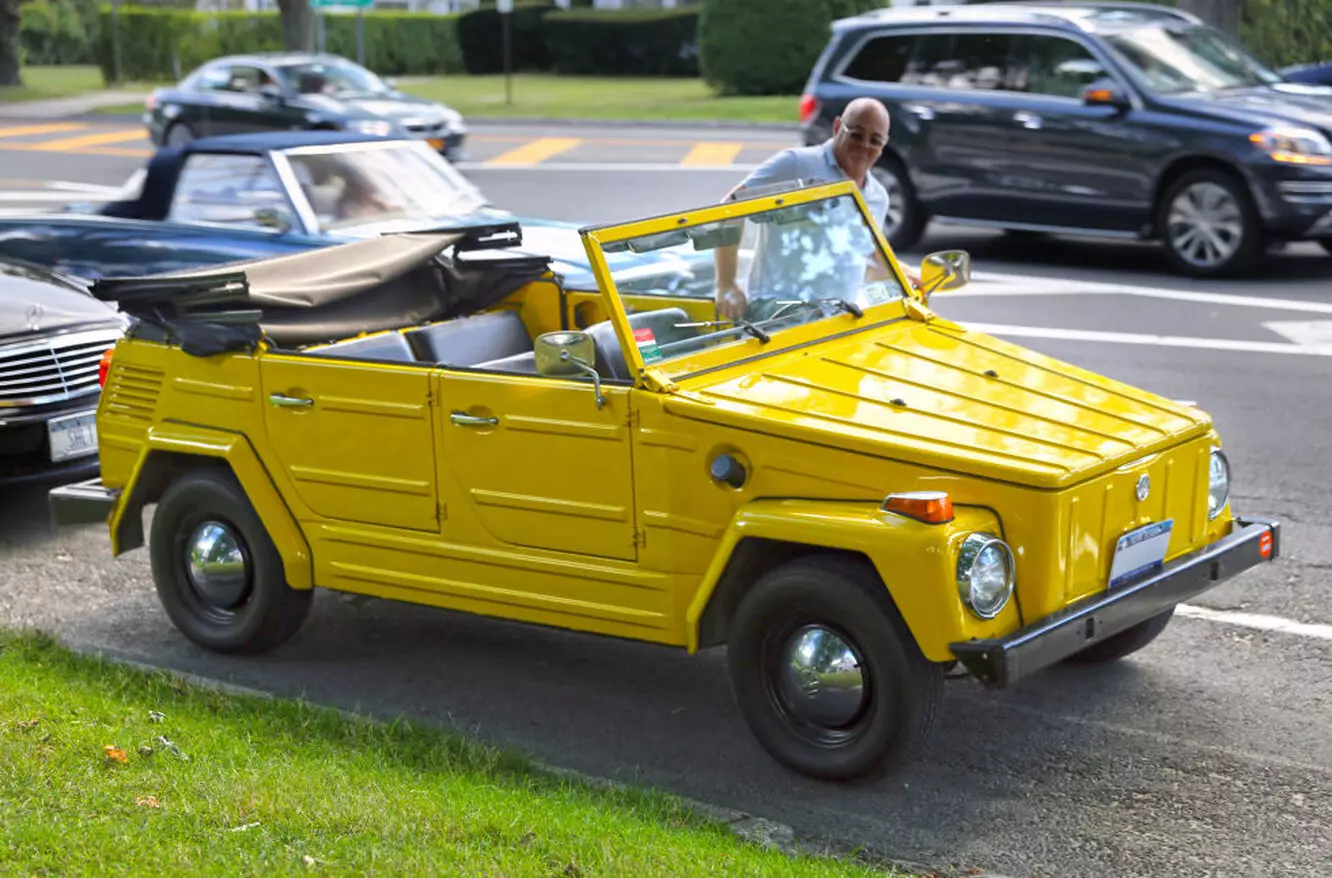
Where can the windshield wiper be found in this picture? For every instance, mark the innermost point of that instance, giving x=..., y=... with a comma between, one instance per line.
x=743, y=324
x=843, y=304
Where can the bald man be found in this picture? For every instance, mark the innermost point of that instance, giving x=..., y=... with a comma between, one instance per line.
x=859, y=136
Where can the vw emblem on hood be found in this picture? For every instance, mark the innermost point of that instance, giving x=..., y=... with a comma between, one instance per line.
x=34, y=315
x=1144, y=487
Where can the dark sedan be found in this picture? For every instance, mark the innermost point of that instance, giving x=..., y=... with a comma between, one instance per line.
x=52, y=337
x=290, y=91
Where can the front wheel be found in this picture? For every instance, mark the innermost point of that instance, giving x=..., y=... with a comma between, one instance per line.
x=826, y=673
x=1209, y=226
x=218, y=574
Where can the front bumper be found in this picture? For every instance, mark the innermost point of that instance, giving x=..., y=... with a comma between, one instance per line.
x=999, y=662
x=1296, y=202
x=87, y=502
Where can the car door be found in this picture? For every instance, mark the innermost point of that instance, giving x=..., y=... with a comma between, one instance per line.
x=538, y=464
x=356, y=440
x=1070, y=164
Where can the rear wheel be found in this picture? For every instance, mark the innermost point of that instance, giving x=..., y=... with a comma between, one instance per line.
x=1126, y=642
x=218, y=574
x=826, y=673
x=905, y=221
x=1209, y=226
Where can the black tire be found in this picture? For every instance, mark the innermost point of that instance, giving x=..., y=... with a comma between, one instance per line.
x=1243, y=231
x=905, y=231
x=255, y=615
x=1124, y=643
x=178, y=133
x=902, y=688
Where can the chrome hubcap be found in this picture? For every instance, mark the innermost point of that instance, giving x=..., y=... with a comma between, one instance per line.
x=217, y=565
x=896, y=197
x=822, y=680
x=1205, y=225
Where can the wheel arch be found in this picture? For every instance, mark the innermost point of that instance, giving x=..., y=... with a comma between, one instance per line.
x=168, y=455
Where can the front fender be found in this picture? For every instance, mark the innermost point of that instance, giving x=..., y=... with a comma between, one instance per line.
x=170, y=447
x=915, y=561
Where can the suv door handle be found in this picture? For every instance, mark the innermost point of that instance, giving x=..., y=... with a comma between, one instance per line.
x=921, y=111
x=1028, y=120
x=464, y=420
x=289, y=401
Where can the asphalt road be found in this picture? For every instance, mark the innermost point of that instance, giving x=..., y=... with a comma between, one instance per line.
x=1206, y=754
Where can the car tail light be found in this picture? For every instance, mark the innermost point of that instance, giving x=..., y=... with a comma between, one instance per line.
x=809, y=107
x=931, y=507
x=150, y=102
x=104, y=366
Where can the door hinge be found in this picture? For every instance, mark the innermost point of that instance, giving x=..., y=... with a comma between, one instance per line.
x=640, y=538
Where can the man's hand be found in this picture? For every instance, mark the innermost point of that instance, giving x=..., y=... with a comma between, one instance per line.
x=731, y=301
x=913, y=277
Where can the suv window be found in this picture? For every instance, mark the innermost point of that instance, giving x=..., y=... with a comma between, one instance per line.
x=882, y=59
x=960, y=61
x=231, y=189
x=1051, y=65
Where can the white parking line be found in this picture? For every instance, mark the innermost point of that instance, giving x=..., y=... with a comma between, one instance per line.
x=1255, y=620
x=1133, y=338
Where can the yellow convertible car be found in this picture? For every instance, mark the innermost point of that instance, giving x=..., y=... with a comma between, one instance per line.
x=850, y=492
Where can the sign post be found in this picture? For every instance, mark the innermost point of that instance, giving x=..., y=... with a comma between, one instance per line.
x=322, y=6
x=505, y=8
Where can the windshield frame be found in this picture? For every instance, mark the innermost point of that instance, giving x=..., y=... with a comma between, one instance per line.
x=1109, y=37
x=744, y=348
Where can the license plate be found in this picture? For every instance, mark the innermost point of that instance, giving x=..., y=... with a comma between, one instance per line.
x=436, y=142
x=1139, y=551
x=72, y=436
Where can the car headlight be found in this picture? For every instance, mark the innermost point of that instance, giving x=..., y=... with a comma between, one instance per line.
x=1294, y=145
x=985, y=574
x=376, y=127
x=1218, y=483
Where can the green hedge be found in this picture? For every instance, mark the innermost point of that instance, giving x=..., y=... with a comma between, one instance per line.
x=481, y=38
x=168, y=43
x=1284, y=32
x=629, y=42
x=58, y=31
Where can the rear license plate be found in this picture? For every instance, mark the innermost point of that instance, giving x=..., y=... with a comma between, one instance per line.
x=1139, y=551
x=436, y=142
x=72, y=436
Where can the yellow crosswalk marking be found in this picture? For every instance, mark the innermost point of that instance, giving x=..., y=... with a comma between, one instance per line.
x=26, y=130
x=713, y=153
x=537, y=151
x=73, y=143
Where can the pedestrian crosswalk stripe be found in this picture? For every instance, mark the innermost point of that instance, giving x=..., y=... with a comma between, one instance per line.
x=71, y=143
x=536, y=152
x=712, y=153
x=30, y=130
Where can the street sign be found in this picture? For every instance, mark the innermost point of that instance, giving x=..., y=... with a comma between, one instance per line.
x=341, y=4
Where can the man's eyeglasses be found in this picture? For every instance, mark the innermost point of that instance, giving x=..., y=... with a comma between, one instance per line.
x=859, y=136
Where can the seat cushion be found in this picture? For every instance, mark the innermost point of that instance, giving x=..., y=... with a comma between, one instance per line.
x=610, y=357
x=523, y=364
x=471, y=340
x=383, y=346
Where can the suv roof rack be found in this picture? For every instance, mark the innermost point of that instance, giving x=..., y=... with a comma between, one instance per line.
x=1062, y=11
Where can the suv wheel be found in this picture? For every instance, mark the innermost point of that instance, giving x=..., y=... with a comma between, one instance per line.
x=218, y=575
x=1208, y=225
x=905, y=221
x=1126, y=642
x=825, y=672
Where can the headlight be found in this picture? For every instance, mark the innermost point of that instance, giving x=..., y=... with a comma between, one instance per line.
x=985, y=574
x=377, y=127
x=1218, y=483
x=1294, y=145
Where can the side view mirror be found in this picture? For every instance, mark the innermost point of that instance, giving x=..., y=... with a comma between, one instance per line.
x=1105, y=93
x=568, y=353
x=944, y=270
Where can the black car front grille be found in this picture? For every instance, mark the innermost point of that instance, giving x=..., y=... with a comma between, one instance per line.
x=37, y=371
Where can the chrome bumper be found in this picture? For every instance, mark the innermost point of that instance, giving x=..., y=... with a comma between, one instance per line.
x=82, y=502
x=999, y=662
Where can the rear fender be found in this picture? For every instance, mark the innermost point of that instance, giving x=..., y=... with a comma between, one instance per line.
x=173, y=449
x=915, y=561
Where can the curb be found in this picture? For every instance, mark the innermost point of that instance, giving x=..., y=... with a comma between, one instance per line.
x=749, y=828
x=701, y=124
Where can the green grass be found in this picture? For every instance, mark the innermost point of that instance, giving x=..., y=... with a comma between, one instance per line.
x=53, y=82
x=572, y=97
x=263, y=786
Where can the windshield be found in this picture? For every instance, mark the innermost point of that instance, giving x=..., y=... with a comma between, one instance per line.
x=1194, y=58
x=361, y=184
x=789, y=265
x=339, y=78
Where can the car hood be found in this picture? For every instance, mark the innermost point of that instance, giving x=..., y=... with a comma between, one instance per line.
x=939, y=396
x=1292, y=102
x=31, y=301
x=395, y=106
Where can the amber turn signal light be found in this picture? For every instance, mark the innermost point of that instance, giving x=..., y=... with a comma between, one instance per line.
x=1265, y=545
x=104, y=366
x=931, y=507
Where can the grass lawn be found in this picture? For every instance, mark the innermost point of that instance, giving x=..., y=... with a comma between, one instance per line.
x=40, y=83
x=109, y=770
x=600, y=98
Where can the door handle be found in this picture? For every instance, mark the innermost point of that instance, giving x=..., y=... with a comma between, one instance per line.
x=465, y=420
x=289, y=401
x=1028, y=120
x=921, y=110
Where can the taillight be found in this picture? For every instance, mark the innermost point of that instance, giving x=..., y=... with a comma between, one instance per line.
x=104, y=366
x=150, y=102
x=809, y=106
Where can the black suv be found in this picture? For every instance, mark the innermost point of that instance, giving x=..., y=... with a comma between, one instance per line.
x=1122, y=120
